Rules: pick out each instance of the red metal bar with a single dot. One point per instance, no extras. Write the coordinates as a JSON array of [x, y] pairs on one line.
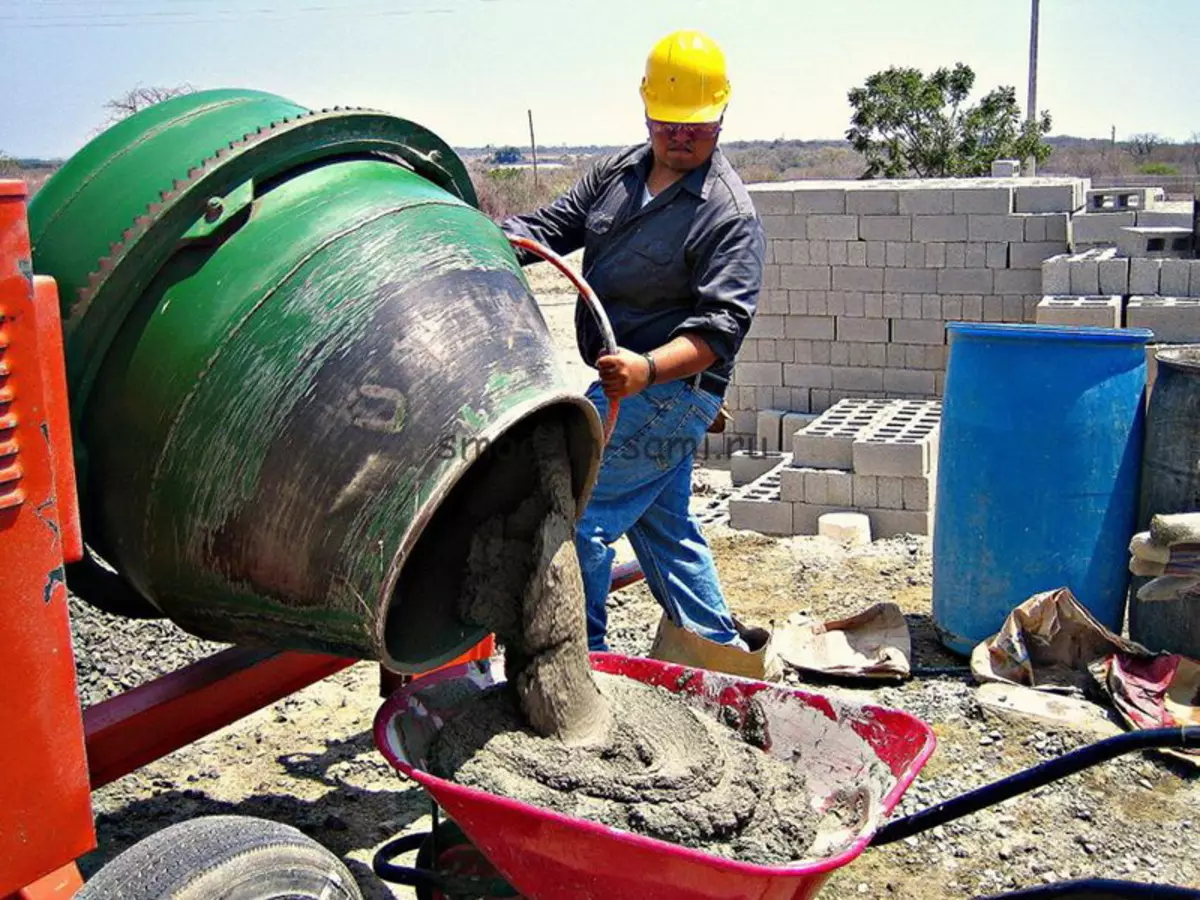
[[148, 722], [58, 885], [626, 574]]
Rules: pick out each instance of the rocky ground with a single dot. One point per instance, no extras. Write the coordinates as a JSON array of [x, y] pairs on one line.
[[309, 760]]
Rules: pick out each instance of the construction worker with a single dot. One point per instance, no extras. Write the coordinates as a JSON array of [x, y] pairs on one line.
[[674, 250]]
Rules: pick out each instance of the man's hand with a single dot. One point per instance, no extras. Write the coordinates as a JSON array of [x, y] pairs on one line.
[[623, 373]]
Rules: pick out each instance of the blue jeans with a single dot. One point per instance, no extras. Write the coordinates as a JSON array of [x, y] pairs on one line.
[[643, 489]]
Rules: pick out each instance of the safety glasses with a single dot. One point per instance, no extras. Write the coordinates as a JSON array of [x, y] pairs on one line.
[[695, 131]]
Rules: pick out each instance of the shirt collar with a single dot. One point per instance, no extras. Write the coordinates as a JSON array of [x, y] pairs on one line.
[[698, 181]]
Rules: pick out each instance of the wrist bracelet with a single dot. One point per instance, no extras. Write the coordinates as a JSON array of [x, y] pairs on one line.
[[653, 368]]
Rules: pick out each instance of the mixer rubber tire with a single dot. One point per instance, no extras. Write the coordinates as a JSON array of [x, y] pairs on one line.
[[227, 857]]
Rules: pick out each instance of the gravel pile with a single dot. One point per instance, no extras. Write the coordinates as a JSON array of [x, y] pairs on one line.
[[114, 654]]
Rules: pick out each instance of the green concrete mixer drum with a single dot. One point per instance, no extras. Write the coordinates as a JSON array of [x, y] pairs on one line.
[[295, 348]]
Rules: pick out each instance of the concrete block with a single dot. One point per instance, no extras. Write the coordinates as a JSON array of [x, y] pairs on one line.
[[914, 256], [952, 307], [1035, 227], [770, 201], [828, 441], [1100, 228], [931, 306], [926, 201], [908, 382], [918, 493], [767, 327], [1144, 275], [850, 528], [1006, 168], [965, 281], [856, 253], [746, 466], [823, 227], [1175, 277], [1122, 199], [1161, 242], [902, 442], [1173, 320], [983, 199], [857, 380], [864, 491], [1092, 312], [1058, 228], [981, 227], [884, 227], [809, 328], [838, 487], [1114, 276], [759, 374], [1194, 278], [791, 483], [997, 255], [910, 281], [1085, 275], [976, 255], [759, 507], [791, 423], [806, 278], [768, 428], [785, 227], [1045, 198], [822, 400], [850, 278], [873, 305], [872, 202], [818, 253], [889, 523], [819, 200], [1160, 218], [896, 254], [807, 375], [956, 255], [1019, 281], [1032, 255], [917, 331], [1014, 307], [891, 492], [945, 228], [799, 253], [866, 330], [876, 254], [935, 255], [838, 254]]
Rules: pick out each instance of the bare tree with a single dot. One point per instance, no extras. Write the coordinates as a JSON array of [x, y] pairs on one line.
[[8, 166], [141, 97], [1194, 147], [1141, 146]]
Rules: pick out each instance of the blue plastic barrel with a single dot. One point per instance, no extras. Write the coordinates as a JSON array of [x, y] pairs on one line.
[[1038, 472]]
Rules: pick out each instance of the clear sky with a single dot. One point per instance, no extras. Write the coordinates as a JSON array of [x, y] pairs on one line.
[[469, 69]]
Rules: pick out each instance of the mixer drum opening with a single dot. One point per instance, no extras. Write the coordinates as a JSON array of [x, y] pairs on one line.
[[422, 629]]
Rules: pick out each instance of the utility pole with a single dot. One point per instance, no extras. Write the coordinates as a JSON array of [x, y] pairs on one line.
[[533, 149], [1031, 105]]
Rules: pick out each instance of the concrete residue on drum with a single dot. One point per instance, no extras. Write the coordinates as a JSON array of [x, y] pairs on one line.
[[604, 748]]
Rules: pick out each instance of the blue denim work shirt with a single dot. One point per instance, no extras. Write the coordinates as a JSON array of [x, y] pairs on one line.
[[688, 262]]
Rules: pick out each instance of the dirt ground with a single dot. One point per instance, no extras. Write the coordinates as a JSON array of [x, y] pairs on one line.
[[309, 760]]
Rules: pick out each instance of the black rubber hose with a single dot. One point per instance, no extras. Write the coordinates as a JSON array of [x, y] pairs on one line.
[[1099, 889], [1031, 779]]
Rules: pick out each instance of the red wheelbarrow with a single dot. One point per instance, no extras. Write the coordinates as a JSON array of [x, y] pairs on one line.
[[847, 749], [496, 847]]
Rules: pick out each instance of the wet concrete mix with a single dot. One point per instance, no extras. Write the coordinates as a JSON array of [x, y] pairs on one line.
[[603, 748]]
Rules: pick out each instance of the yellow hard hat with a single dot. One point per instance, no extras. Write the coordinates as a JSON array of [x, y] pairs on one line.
[[685, 79]]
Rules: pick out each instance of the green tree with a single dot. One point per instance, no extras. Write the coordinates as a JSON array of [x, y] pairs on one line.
[[906, 123]]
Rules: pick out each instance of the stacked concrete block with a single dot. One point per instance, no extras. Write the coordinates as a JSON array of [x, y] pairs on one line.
[[1087, 312], [746, 466], [862, 278], [1174, 320], [828, 441], [1100, 229], [1123, 199], [1163, 242], [1171, 214], [757, 506]]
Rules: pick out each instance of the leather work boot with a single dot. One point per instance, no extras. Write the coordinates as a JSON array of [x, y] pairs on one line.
[[686, 648]]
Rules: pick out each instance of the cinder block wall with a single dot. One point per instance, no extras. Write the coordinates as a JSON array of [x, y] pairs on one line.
[[862, 277]]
